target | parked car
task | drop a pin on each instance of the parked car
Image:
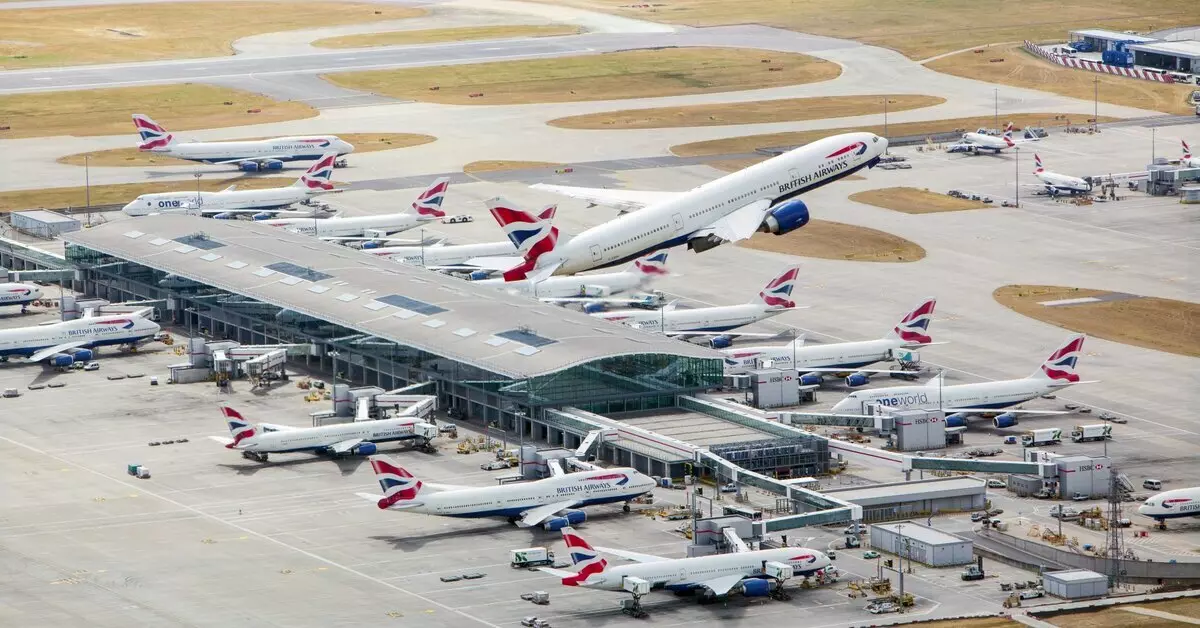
(534, 622)
(996, 484)
(882, 607)
(1029, 594)
(1080, 497)
(729, 488)
(92, 366)
(1119, 419)
(978, 516)
(869, 554)
(995, 512)
(451, 220)
(494, 465)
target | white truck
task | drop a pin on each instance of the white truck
(1085, 433)
(531, 557)
(1048, 436)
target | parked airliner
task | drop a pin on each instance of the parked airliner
(19, 294)
(1056, 183)
(359, 437)
(61, 344)
(1188, 160)
(585, 287)
(248, 155)
(426, 208)
(1173, 504)
(973, 143)
(441, 256)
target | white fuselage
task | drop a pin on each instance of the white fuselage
(688, 573)
(511, 500)
(597, 285)
(354, 227)
(1190, 162)
(672, 222)
(449, 255)
(991, 395)
(214, 202)
(18, 294)
(268, 440)
(1180, 502)
(91, 332)
(709, 319)
(308, 148)
(989, 142)
(848, 355)
(1063, 182)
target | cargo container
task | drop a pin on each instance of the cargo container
(1048, 436)
(1085, 433)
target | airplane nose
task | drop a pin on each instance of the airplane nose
(883, 145)
(346, 147)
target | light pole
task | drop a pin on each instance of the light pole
(1152, 142)
(996, 103)
(1016, 176)
(422, 247)
(1095, 103)
(87, 188)
(198, 175)
(885, 125)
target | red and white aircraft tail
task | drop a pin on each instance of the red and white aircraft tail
(777, 294)
(154, 136)
(319, 175)
(429, 203)
(585, 558)
(534, 236)
(399, 486)
(914, 327)
(1060, 366)
(652, 265)
(239, 427)
(1187, 151)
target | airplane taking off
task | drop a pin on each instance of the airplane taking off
(360, 438)
(248, 155)
(19, 294)
(61, 344)
(1188, 160)
(229, 202)
(774, 299)
(524, 503)
(587, 287)
(426, 208)
(728, 209)
(847, 358)
(973, 143)
(1055, 183)
(1173, 504)
(716, 575)
(1058, 371)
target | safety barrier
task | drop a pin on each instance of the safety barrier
(1094, 66)
(1144, 571)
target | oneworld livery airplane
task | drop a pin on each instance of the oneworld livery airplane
(248, 155)
(61, 344)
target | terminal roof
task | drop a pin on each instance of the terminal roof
(479, 325)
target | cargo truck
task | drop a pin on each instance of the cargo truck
(531, 557)
(1085, 433)
(1048, 436)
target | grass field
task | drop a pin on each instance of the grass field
(107, 111)
(748, 143)
(496, 165)
(1125, 615)
(363, 143)
(1160, 324)
(914, 201)
(982, 622)
(919, 29)
(755, 112)
(31, 38)
(439, 35)
(834, 240)
(614, 75)
(1022, 69)
(124, 192)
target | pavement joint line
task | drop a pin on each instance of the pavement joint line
(248, 531)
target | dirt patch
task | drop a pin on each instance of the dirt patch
(608, 76)
(1122, 617)
(1022, 69)
(754, 112)
(176, 30)
(363, 143)
(1153, 323)
(981, 622)
(835, 240)
(476, 167)
(914, 201)
(438, 35)
(76, 197)
(106, 111)
(748, 143)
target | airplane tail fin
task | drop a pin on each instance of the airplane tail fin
(1037, 164)
(534, 236)
(318, 175)
(238, 426)
(429, 203)
(652, 265)
(398, 485)
(914, 327)
(777, 293)
(586, 560)
(1187, 151)
(1060, 366)
(154, 137)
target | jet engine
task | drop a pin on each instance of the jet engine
(272, 164)
(811, 379)
(263, 216)
(365, 449)
(785, 217)
(1008, 419)
(592, 308)
(755, 587)
(60, 359)
(79, 355)
(479, 275)
(571, 518)
(249, 166)
(857, 379)
(720, 342)
(956, 420)
(225, 216)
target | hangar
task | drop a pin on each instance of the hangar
(1176, 56)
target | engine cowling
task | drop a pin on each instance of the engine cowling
(248, 166)
(479, 275)
(592, 308)
(811, 379)
(857, 379)
(80, 355)
(369, 244)
(756, 587)
(785, 217)
(720, 342)
(273, 164)
(575, 517)
(365, 449)
(1008, 419)
(956, 420)
(225, 216)
(61, 359)
(263, 216)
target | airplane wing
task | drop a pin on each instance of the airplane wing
(534, 516)
(625, 200)
(230, 188)
(731, 334)
(222, 439)
(835, 370)
(738, 225)
(344, 446)
(555, 468)
(995, 411)
(634, 556)
(722, 585)
(494, 263)
(254, 159)
(49, 351)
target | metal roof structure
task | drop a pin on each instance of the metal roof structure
(920, 533)
(878, 494)
(1074, 575)
(1100, 33)
(1188, 49)
(505, 334)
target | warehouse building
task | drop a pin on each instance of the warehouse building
(43, 224)
(1075, 584)
(898, 500)
(1101, 40)
(913, 541)
(1175, 56)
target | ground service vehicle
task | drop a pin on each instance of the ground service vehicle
(996, 484)
(1085, 433)
(1048, 436)
(531, 557)
(972, 572)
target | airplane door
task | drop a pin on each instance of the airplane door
(596, 254)
(677, 222)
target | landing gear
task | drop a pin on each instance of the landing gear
(255, 456)
(633, 607)
(626, 507)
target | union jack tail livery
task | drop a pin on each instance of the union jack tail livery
(238, 426)
(777, 294)
(914, 327)
(1060, 366)
(1187, 152)
(154, 137)
(1037, 164)
(653, 265)
(398, 485)
(1008, 137)
(586, 560)
(319, 174)
(429, 203)
(533, 236)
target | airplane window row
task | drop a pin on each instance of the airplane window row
(636, 238)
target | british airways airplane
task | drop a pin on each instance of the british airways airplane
(248, 155)
(19, 294)
(1174, 504)
(61, 344)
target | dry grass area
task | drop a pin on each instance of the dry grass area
(1022, 69)
(31, 38)
(1153, 323)
(124, 192)
(363, 143)
(496, 165)
(440, 35)
(748, 143)
(835, 240)
(1123, 617)
(982, 622)
(613, 75)
(754, 112)
(914, 201)
(107, 111)
(917, 29)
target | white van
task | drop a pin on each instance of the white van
(1154, 485)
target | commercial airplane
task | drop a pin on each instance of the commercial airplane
(248, 155)
(774, 299)
(847, 358)
(1173, 504)
(19, 294)
(732, 208)
(1055, 183)
(458, 256)
(426, 208)
(1058, 371)
(359, 438)
(523, 503)
(587, 287)
(716, 575)
(61, 344)
(973, 143)
(231, 201)
(1188, 160)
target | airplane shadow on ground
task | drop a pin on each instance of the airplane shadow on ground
(347, 465)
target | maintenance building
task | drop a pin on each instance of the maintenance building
(923, 544)
(897, 500)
